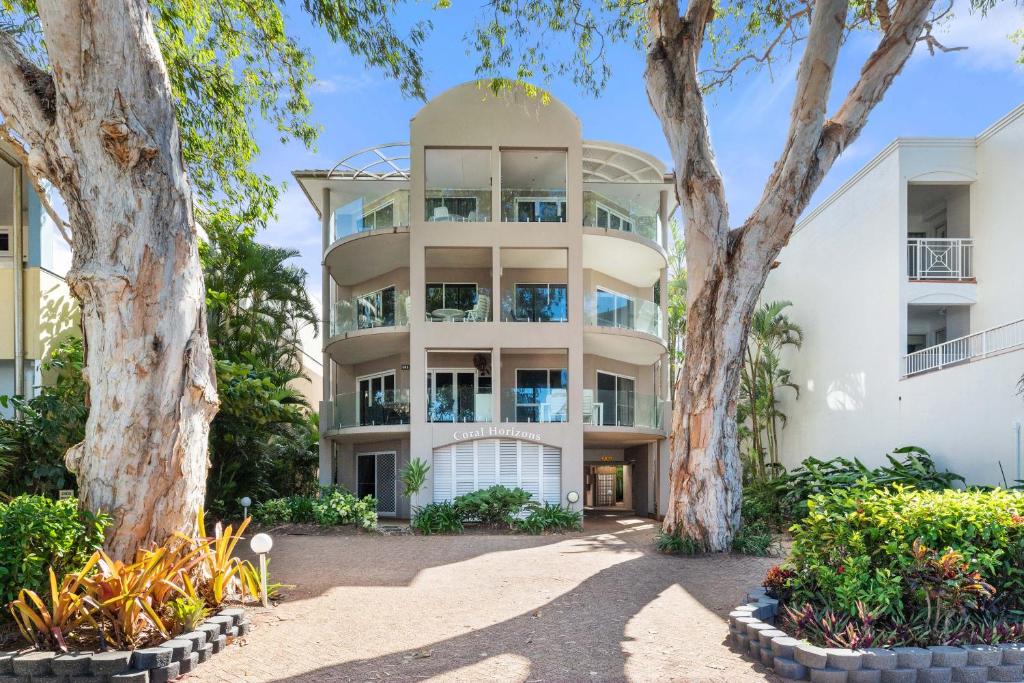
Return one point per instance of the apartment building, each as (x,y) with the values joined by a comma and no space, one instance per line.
(36,309)
(493,306)
(908,285)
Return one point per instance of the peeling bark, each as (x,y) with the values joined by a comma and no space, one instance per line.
(727,267)
(103,131)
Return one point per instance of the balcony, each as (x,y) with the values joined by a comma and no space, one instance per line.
(965,349)
(623,207)
(940,259)
(380,409)
(608,408)
(610,310)
(385,308)
(534,404)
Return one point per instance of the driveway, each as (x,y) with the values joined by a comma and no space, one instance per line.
(600,605)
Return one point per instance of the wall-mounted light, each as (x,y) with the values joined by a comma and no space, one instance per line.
(572,497)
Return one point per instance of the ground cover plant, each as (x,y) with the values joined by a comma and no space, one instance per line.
(496,507)
(898,565)
(333,507)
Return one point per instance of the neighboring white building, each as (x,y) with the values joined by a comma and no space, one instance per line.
(909,285)
(492,304)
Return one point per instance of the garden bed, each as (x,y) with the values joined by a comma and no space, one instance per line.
(752,632)
(156,664)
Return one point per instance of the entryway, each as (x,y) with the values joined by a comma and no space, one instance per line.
(377,476)
(608,487)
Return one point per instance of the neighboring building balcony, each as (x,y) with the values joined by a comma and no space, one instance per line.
(365,411)
(940,259)
(965,349)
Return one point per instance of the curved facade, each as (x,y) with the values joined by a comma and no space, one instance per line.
(495,309)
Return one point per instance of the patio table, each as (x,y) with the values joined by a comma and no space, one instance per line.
(450,315)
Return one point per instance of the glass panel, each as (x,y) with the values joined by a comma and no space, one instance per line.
(366,475)
(533,185)
(607,306)
(466,392)
(606,398)
(624,401)
(458,185)
(557,308)
(369,205)
(442,405)
(630,207)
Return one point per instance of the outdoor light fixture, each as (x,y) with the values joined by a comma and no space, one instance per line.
(246,502)
(572,497)
(261,545)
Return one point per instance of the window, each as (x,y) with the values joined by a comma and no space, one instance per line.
(460,296)
(615,393)
(452,395)
(377,404)
(381,217)
(609,218)
(541,303)
(5,240)
(451,208)
(614,310)
(544,210)
(541,395)
(533,183)
(377,309)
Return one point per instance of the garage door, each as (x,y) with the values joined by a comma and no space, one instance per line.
(471,465)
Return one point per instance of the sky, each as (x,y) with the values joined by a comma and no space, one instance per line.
(950,94)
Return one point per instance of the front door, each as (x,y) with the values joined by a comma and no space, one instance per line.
(605,488)
(377,476)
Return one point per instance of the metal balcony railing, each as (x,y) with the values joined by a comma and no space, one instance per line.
(940,258)
(964,349)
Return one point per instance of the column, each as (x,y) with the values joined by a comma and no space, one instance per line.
(327,474)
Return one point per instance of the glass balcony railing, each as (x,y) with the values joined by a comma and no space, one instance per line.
(452,304)
(454,205)
(527,404)
(462,406)
(385,308)
(535,303)
(371,212)
(607,408)
(623,206)
(605,309)
(380,408)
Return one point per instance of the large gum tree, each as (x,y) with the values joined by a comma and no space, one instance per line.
(691,48)
(131,110)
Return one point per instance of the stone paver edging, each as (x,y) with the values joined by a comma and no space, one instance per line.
(157,664)
(753,633)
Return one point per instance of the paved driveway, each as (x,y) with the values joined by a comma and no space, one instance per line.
(595,606)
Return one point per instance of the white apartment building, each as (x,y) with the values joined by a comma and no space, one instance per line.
(908,284)
(493,304)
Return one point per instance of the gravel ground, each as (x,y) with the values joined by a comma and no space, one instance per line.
(600,605)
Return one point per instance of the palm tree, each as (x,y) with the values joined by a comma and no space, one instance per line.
(770,330)
(676,323)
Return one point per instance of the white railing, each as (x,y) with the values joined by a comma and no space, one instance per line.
(964,349)
(940,258)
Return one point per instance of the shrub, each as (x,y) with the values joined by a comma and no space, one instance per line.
(275,511)
(495,505)
(754,538)
(549,518)
(906,566)
(414,476)
(676,544)
(437,518)
(334,507)
(37,533)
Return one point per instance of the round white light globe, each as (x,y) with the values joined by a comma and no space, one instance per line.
(572,496)
(246,501)
(261,543)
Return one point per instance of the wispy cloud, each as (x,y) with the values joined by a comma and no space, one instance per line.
(344,83)
(986,36)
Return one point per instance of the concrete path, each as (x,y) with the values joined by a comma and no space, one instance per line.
(596,606)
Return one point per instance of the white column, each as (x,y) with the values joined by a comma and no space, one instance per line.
(327,475)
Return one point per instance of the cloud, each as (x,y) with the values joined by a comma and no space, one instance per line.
(986,36)
(344,83)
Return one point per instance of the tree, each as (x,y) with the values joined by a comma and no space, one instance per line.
(689,50)
(676,300)
(118,104)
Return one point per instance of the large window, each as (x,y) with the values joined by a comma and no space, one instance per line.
(541,395)
(533,185)
(377,309)
(541,303)
(458,184)
(449,297)
(614,310)
(615,394)
(381,217)
(377,405)
(453,395)
(609,218)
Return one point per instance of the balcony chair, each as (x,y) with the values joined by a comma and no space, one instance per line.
(440,214)
(481,312)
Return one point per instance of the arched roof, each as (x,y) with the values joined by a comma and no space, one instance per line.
(610,162)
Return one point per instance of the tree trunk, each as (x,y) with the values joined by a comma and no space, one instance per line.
(106,135)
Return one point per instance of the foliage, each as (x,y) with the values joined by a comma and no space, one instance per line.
(334,507)
(414,476)
(677,288)
(187,612)
(915,566)
(777,582)
(32,448)
(224,574)
(496,505)
(676,544)
(792,490)
(757,414)
(48,627)
(754,538)
(549,517)
(437,518)
(37,533)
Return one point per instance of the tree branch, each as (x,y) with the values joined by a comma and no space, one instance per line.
(26,95)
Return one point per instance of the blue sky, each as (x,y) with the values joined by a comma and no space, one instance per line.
(953,94)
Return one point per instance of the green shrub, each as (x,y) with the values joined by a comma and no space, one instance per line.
(495,505)
(275,511)
(861,547)
(549,518)
(302,509)
(754,538)
(676,544)
(37,533)
(334,507)
(437,518)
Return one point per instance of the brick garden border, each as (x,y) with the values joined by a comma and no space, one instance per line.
(157,664)
(752,632)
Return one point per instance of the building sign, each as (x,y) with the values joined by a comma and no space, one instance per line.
(607,458)
(488,432)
